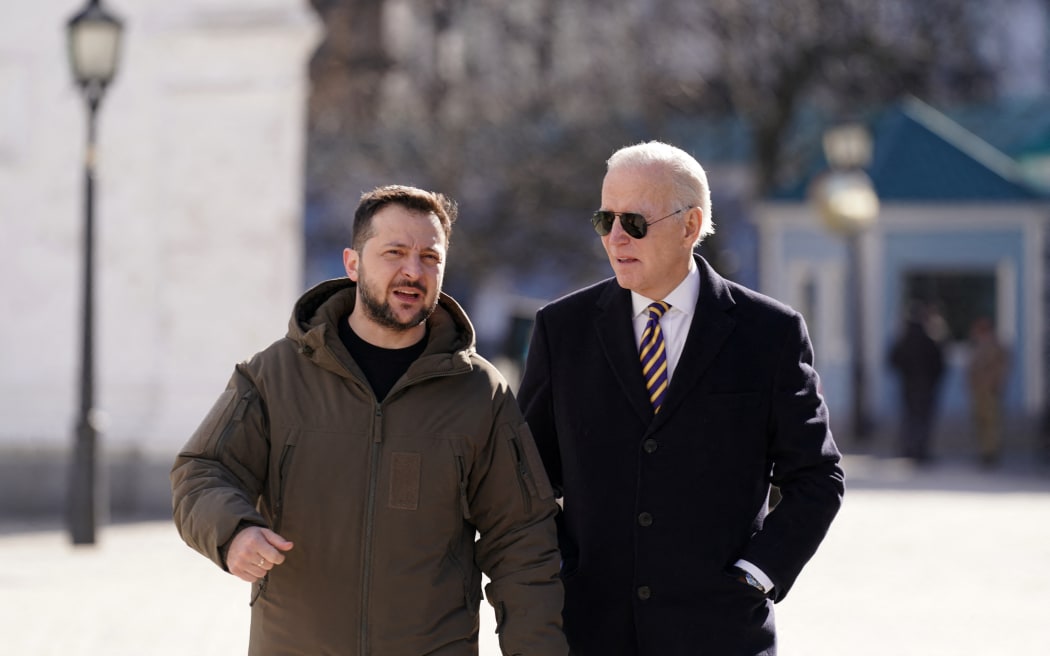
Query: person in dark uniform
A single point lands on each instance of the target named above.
(918, 360)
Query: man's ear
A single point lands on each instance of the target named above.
(350, 263)
(694, 220)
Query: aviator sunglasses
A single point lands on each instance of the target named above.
(634, 224)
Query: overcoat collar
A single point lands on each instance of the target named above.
(712, 324)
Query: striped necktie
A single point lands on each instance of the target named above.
(654, 356)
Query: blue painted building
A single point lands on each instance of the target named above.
(960, 226)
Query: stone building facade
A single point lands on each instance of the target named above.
(198, 230)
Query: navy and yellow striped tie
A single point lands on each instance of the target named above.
(653, 355)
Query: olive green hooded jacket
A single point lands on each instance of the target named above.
(384, 501)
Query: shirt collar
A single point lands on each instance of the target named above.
(682, 298)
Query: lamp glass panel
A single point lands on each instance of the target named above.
(848, 146)
(93, 50)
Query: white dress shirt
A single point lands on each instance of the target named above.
(676, 321)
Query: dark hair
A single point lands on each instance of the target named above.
(411, 198)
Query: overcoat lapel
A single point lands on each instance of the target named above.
(615, 333)
(711, 326)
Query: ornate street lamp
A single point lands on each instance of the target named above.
(846, 200)
(94, 44)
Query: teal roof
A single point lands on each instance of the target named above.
(1019, 127)
(921, 154)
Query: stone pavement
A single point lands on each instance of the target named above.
(947, 560)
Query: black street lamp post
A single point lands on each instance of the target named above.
(846, 200)
(94, 43)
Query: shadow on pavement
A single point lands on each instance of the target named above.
(866, 469)
(28, 524)
(1015, 474)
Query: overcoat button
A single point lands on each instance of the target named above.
(645, 519)
(644, 592)
(649, 445)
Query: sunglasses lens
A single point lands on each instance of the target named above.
(633, 224)
(602, 222)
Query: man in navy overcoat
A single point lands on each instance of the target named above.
(669, 544)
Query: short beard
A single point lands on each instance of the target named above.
(379, 310)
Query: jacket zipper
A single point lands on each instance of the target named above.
(377, 437)
(366, 579)
(463, 503)
(236, 418)
(523, 474)
(282, 485)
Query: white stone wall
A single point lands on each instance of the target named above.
(198, 214)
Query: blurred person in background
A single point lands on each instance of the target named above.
(986, 376)
(666, 401)
(346, 469)
(918, 360)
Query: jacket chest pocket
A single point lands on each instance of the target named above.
(307, 464)
(284, 466)
(282, 457)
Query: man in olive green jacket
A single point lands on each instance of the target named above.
(347, 470)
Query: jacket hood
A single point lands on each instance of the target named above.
(316, 313)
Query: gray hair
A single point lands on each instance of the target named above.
(688, 178)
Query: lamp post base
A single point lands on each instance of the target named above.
(83, 486)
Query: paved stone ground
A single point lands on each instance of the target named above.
(948, 560)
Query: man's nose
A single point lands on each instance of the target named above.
(616, 232)
(412, 266)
